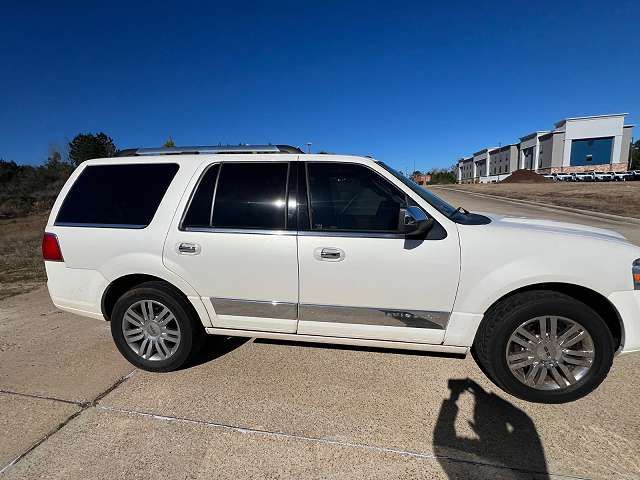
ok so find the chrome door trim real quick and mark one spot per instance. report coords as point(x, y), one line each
point(255, 308)
point(293, 232)
point(240, 230)
point(354, 234)
point(374, 316)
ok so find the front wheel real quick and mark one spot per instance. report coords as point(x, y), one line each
point(153, 328)
point(544, 347)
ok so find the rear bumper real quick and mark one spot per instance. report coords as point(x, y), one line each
point(628, 306)
point(76, 290)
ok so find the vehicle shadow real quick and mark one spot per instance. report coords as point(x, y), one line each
point(215, 347)
point(357, 348)
point(506, 438)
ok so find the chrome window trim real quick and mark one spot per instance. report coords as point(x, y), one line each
point(286, 196)
point(305, 233)
point(126, 226)
point(245, 231)
point(213, 195)
point(346, 234)
point(255, 308)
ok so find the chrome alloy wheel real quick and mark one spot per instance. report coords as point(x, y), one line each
point(151, 330)
point(550, 352)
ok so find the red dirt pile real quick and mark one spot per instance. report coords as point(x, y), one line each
point(525, 176)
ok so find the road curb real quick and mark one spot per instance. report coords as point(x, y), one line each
point(578, 211)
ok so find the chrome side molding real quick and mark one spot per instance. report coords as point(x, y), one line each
point(332, 313)
point(255, 308)
point(374, 316)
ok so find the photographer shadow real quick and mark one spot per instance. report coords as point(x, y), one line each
point(506, 443)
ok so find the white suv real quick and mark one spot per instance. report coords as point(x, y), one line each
point(269, 242)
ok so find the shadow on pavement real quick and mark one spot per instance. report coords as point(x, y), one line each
point(357, 348)
point(216, 347)
point(505, 436)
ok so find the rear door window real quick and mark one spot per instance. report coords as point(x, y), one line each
point(117, 196)
point(246, 195)
point(251, 196)
point(199, 213)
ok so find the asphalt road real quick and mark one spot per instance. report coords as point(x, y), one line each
point(73, 408)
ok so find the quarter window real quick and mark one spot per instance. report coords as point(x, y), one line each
point(352, 197)
point(116, 195)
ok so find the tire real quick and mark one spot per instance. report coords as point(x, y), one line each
point(168, 347)
point(533, 311)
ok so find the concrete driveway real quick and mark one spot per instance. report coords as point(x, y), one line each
point(73, 408)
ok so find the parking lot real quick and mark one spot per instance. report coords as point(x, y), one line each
point(73, 408)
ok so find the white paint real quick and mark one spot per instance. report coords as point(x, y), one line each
point(463, 274)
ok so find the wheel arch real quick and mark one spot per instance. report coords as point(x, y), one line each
point(598, 302)
point(122, 284)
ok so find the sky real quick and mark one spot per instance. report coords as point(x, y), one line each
point(416, 84)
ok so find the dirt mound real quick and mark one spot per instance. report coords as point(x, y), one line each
point(525, 176)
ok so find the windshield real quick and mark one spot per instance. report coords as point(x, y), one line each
point(433, 200)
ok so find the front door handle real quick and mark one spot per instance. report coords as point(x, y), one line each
point(186, 248)
point(329, 254)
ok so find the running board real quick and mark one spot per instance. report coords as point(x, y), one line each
point(423, 347)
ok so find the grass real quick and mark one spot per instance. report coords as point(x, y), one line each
point(618, 198)
point(21, 265)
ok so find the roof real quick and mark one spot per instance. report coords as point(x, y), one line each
point(483, 150)
point(503, 147)
point(563, 121)
point(533, 134)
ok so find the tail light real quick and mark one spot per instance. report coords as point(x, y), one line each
point(51, 248)
point(636, 274)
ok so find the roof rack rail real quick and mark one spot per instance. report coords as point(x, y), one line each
point(213, 149)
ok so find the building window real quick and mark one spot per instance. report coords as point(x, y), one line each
point(591, 151)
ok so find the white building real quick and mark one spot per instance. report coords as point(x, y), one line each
point(580, 144)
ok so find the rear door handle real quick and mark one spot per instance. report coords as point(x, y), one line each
point(329, 254)
point(186, 248)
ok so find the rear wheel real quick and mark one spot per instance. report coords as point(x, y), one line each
point(544, 346)
point(153, 327)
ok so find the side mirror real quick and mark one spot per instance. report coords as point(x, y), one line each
point(414, 222)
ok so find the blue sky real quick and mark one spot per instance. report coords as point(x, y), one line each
point(404, 82)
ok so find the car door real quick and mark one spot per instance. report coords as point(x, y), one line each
point(361, 278)
point(233, 244)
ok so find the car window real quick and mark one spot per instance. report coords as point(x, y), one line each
point(351, 197)
point(116, 195)
point(251, 196)
point(199, 212)
point(435, 201)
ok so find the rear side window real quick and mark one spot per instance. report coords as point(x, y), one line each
point(120, 196)
point(251, 196)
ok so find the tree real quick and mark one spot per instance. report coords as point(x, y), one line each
point(54, 160)
point(86, 146)
point(416, 173)
point(169, 143)
point(442, 176)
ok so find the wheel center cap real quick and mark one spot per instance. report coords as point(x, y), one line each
point(547, 351)
point(153, 329)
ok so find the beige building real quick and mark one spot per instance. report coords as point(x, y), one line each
point(579, 144)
